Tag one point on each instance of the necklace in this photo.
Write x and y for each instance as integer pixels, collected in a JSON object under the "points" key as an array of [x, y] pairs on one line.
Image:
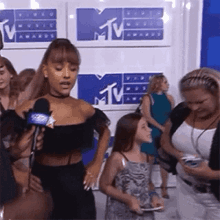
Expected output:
{"points": [[195, 144], [58, 97]]}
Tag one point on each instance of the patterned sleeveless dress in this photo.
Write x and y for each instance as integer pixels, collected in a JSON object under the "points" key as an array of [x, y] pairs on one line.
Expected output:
{"points": [[133, 180]]}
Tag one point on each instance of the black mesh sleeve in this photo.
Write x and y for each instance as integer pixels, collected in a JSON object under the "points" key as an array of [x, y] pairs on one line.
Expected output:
{"points": [[99, 120]]}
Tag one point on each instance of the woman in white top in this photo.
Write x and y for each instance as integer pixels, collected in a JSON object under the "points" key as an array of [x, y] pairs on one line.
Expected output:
{"points": [[194, 129]]}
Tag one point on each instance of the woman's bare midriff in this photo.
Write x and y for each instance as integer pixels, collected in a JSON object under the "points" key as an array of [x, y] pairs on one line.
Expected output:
{"points": [[74, 156]]}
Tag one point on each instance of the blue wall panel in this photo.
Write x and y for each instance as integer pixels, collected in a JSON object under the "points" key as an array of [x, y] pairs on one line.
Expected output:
{"points": [[210, 50]]}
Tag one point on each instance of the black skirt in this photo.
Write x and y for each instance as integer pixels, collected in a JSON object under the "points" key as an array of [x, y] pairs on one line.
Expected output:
{"points": [[65, 183], [8, 187]]}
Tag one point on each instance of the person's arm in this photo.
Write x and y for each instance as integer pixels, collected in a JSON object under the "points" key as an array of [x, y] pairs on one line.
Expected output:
{"points": [[145, 108], [93, 168], [215, 175], [166, 142], [156, 201], [203, 171], [112, 167], [150, 160], [21, 147]]}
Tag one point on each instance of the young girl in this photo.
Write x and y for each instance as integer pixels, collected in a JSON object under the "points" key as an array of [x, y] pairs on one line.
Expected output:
{"points": [[125, 178]]}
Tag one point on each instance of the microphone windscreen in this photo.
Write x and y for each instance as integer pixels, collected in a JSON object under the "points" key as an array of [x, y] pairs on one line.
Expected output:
{"points": [[42, 106], [40, 113]]}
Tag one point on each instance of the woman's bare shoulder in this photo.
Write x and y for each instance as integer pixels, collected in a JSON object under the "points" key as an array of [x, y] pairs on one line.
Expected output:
{"points": [[146, 97], [87, 109], [116, 156], [116, 159]]}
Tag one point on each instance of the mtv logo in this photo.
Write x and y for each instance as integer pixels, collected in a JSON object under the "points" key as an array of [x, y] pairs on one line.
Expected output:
{"points": [[101, 101], [120, 24], [113, 89], [93, 24], [100, 37], [106, 90], [7, 25], [27, 25]]}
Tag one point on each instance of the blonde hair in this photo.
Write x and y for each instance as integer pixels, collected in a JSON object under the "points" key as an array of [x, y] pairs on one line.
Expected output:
{"points": [[205, 78], [155, 83]]}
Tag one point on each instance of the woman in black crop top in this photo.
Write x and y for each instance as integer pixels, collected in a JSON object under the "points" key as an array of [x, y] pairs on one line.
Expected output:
{"points": [[70, 130]]}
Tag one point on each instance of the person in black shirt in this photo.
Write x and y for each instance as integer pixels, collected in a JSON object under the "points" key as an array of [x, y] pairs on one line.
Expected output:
{"points": [[12, 204], [16, 205]]}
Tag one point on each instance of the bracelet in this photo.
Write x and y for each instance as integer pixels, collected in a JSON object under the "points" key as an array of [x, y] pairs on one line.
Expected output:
{"points": [[2, 213], [153, 193]]}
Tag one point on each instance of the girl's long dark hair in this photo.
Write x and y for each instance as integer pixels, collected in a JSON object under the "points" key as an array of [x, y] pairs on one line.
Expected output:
{"points": [[125, 132]]}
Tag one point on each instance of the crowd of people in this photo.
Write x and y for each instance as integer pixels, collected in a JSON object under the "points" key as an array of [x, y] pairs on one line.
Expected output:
{"points": [[59, 186]]}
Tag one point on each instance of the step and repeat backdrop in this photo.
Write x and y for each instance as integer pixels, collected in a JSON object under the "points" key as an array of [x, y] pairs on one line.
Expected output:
{"points": [[122, 46], [211, 34]]}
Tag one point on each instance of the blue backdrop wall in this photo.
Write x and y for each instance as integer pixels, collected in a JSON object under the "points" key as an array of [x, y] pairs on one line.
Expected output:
{"points": [[210, 53]]}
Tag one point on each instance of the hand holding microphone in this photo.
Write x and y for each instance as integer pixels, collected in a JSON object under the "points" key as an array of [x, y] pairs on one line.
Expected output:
{"points": [[21, 148], [31, 140], [38, 117]]}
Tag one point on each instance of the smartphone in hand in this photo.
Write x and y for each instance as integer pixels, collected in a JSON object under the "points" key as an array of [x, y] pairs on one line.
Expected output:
{"points": [[192, 161]]}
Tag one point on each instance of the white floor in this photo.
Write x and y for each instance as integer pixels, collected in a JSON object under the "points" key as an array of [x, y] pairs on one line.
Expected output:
{"points": [[170, 204]]}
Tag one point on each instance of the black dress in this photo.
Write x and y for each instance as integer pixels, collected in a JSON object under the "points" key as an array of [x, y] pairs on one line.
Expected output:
{"points": [[7, 181], [65, 182]]}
